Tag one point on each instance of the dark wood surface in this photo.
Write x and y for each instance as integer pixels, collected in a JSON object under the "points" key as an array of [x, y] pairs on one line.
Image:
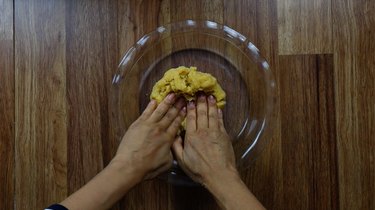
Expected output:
{"points": [[7, 126], [57, 59]]}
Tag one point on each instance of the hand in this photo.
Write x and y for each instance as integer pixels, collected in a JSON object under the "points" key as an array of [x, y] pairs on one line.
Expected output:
{"points": [[144, 152], [146, 146], [207, 149]]}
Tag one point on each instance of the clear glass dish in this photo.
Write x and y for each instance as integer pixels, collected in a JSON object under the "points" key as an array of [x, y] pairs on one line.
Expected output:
{"points": [[217, 49]]}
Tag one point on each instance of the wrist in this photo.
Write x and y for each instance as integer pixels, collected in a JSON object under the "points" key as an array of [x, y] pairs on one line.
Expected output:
{"points": [[126, 170], [104, 189], [231, 193], [214, 183]]}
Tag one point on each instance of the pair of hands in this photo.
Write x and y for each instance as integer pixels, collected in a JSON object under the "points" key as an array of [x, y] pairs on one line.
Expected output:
{"points": [[145, 151], [207, 149]]}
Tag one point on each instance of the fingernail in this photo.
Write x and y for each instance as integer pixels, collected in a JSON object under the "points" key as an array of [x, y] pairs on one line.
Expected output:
{"points": [[191, 105], [220, 112], [202, 98], [183, 110], [152, 102], [211, 98], [171, 96]]}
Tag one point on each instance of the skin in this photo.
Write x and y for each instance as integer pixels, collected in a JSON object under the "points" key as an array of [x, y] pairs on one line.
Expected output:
{"points": [[145, 152], [207, 156]]}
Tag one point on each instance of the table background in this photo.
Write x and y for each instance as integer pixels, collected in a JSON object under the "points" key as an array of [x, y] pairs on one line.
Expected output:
{"points": [[57, 59]]}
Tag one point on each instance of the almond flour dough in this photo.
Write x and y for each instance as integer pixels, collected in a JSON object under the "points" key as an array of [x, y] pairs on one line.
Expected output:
{"points": [[187, 82]]}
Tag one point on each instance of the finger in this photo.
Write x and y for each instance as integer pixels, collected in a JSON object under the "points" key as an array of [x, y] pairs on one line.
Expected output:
{"points": [[175, 125], [212, 113], [163, 107], [191, 117], [172, 113], [149, 109], [221, 120], [202, 120], [178, 149]]}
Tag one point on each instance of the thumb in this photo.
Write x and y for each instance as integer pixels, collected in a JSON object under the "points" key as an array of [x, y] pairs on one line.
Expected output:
{"points": [[178, 148]]}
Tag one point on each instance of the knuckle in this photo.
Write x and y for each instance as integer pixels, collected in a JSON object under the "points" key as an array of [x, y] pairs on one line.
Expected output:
{"points": [[179, 118], [170, 115], [191, 114], [188, 138], [190, 117], [159, 111], [212, 115], [143, 117], [213, 105], [182, 112], [135, 124], [158, 130], [176, 123], [201, 112], [167, 103], [202, 132]]}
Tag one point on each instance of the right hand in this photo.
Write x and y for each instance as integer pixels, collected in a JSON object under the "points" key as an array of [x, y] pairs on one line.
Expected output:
{"points": [[207, 149]]}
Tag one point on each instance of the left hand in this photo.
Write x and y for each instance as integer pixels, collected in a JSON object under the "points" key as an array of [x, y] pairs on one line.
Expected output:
{"points": [[144, 152], [146, 146]]}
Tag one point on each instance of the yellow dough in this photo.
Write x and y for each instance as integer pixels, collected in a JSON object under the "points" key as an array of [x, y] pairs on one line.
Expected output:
{"points": [[187, 82]]}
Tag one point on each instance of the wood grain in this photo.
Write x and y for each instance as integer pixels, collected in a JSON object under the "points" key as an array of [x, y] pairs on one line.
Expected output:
{"points": [[135, 19], [198, 10], [91, 62], [40, 109], [307, 127], [57, 60], [6, 105], [305, 27], [354, 60], [264, 176]]}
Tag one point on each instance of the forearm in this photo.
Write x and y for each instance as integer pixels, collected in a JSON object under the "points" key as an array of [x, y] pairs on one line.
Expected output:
{"points": [[231, 193], [104, 189]]}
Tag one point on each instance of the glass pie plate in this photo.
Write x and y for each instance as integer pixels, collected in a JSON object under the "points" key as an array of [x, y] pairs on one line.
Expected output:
{"points": [[217, 49]]}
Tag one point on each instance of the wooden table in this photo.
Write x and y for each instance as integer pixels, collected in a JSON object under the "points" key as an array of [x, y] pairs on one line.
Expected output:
{"points": [[57, 59]]}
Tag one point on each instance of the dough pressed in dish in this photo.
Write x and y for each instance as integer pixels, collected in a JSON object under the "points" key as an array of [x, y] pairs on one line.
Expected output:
{"points": [[186, 82]]}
